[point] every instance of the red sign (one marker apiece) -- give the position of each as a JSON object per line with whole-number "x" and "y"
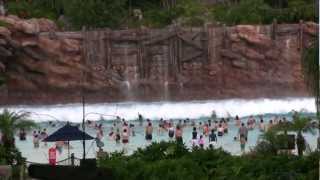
{"x": 52, "y": 156}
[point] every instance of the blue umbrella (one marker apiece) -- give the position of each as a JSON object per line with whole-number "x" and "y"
{"x": 68, "y": 133}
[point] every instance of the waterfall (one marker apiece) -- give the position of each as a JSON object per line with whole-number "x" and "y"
{"x": 128, "y": 91}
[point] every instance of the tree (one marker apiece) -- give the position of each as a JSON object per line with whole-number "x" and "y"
{"x": 277, "y": 3}
{"x": 10, "y": 123}
{"x": 96, "y": 13}
{"x": 310, "y": 66}
{"x": 299, "y": 124}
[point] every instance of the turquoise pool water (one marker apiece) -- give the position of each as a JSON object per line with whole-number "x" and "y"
{"x": 197, "y": 110}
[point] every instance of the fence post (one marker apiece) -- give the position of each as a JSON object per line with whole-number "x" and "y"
{"x": 72, "y": 159}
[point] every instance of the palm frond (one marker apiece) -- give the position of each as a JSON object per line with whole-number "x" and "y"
{"x": 26, "y": 124}
{"x": 302, "y": 124}
{"x": 11, "y": 121}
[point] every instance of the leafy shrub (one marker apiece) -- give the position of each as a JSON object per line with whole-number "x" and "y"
{"x": 259, "y": 12}
{"x": 33, "y": 9}
{"x": 116, "y": 14}
{"x": 10, "y": 155}
{"x": 154, "y": 163}
{"x": 97, "y": 13}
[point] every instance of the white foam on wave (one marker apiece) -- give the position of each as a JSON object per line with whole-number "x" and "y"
{"x": 174, "y": 110}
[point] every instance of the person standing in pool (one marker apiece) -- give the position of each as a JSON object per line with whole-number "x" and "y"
{"x": 117, "y": 136}
{"x": 22, "y": 135}
{"x": 200, "y": 127}
{"x": 201, "y": 142}
{"x": 149, "y": 130}
{"x": 179, "y": 123}
{"x": 36, "y": 140}
{"x": 242, "y": 143}
{"x": 44, "y": 135}
{"x": 216, "y": 125}
{"x": 59, "y": 146}
{"x": 140, "y": 119}
{"x": 243, "y": 131}
{"x": 185, "y": 124}
{"x": 125, "y": 126}
{"x": 161, "y": 126}
{"x": 194, "y": 137}
{"x": 213, "y": 140}
{"x": 269, "y": 126}
{"x": 193, "y": 123}
{"x": 170, "y": 131}
{"x": 179, "y": 135}
{"x": 213, "y": 115}
{"x": 125, "y": 140}
{"x": 111, "y": 133}
{"x": 238, "y": 121}
{"x": 132, "y": 131}
{"x": 225, "y": 127}
{"x": 261, "y": 125}
{"x": 206, "y": 129}
{"x": 220, "y": 130}
{"x": 99, "y": 135}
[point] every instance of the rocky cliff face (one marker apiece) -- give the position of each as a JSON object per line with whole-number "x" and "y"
{"x": 43, "y": 65}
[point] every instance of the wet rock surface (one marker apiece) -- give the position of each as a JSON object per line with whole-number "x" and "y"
{"x": 43, "y": 65}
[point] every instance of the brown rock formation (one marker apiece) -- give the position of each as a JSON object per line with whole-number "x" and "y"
{"x": 42, "y": 65}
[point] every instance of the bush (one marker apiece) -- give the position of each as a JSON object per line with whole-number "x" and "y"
{"x": 259, "y": 12}
{"x": 10, "y": 155}
{"x": 97, "y": 13}
{"x": 154, "y": 162}
{"x": 33, "y": 9}
{"x": 116, "y": 14}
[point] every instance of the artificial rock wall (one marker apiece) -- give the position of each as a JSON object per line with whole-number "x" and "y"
{"x": 43, "y": 65}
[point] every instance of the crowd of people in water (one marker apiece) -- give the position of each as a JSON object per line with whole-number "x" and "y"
{"x": 202, "y": 131}
{"x": 211, "y": 129}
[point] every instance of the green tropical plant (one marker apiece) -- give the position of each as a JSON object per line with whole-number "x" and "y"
{"x": 10, "y": 123}
{"x": 299, "y": 124}
{"x": 268, "y": 143}
{"x": 151, "y": 163}
{"x": 96, "y": 13}
{"x": 160, "y": 13}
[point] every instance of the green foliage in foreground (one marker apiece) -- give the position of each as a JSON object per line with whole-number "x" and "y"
{"x": 173, "y": 161}
{"x": 10, "y": 124}
{"x": 119, "y": 13}
{"x": 260, "y": 12}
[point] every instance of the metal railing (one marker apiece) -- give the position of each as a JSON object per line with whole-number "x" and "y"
{"x": 71, "y": 161}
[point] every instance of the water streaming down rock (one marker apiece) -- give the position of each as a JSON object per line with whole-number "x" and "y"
{"x": 127, "y": 76}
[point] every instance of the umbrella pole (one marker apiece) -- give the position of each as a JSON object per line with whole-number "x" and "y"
{"x": 83, "y": 128}
{"x": 68, "y": 150}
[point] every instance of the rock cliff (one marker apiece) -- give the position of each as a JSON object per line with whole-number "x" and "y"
{"x": 43, "y": 65}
